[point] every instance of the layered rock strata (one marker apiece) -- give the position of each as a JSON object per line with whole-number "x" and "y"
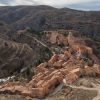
{"x": 76, "y": 61}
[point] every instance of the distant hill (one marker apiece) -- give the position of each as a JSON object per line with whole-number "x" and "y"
{"x": 46, "y": 17}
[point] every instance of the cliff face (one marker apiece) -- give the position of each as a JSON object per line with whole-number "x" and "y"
{"x": 75, "y": 61}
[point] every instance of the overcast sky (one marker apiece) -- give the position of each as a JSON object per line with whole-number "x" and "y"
{"x": 76, "y": 4}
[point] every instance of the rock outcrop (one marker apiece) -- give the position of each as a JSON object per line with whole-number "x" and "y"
{"x": 57, "y": 37}
{"x": 13, "y": 57}
{"x": 69, "y": 66}
{"x": 78, "y": 45}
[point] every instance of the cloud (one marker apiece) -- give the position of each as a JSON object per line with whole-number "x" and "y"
{"x": 16, "y": 2}
{"x": 93, "y": 5}
{"x": 45, "y": 2}
{"x": 2, "y": 5}
{"x": 56, "y": 3}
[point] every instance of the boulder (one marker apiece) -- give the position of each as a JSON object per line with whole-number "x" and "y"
{"x": 57, "y": 65}
{"x": 53, "y": 59}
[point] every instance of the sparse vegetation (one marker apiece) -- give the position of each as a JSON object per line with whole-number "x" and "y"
{"x": 39, "y": 62}
{"x": 38, "y": 33}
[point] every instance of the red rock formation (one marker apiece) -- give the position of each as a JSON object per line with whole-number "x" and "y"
{"x": 53, "y": 59}
{"x": 80, "y": 47}
{"x": 61, "y": 66}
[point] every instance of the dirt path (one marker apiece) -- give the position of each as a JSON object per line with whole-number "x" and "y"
{"x": 44, "y": 45}
{"x": 95, "y": 88}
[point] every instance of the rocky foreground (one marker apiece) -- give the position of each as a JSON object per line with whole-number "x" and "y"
{"x": 76, "y": 61}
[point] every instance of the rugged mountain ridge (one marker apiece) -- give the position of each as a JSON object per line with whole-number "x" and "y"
{"x": 46, "y": 17}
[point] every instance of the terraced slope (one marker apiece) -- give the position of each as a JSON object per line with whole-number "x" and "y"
{"x": 13, "y": 57}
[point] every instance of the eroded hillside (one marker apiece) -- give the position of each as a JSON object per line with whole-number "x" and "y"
{"x": 46, "y": 17}
{"x": 13, "y": 57}
{"x": 64, "y": 74}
